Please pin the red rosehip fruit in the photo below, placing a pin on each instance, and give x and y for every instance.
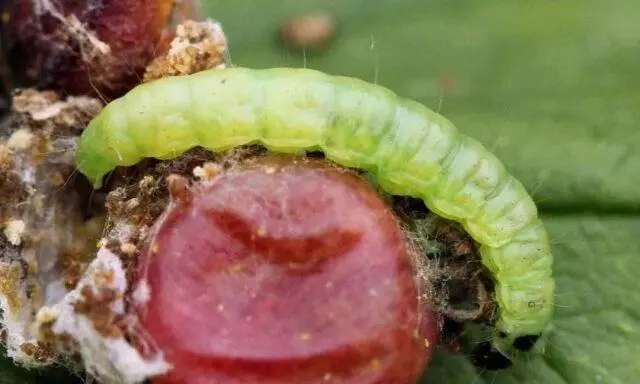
(80, 47)
(283, 271)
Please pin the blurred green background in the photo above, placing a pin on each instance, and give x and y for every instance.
(553, 88)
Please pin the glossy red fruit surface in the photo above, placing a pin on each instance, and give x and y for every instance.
(284, 272)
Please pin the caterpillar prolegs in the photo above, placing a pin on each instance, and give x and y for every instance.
(411, 150)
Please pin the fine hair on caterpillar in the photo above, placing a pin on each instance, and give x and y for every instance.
(409, 149)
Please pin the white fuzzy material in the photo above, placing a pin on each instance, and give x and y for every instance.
(20, 140)
(111, 360)
(14, 230)
(15, 321)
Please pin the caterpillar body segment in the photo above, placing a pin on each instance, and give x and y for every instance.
(412, 151)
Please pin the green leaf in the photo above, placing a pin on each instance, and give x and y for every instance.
(553, 87)
(595, 335)
(11, 374)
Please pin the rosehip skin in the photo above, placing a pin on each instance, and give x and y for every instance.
(48, 54)
(284, 271)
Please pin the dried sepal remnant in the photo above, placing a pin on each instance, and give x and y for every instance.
(197, 46)
(91, 322)
(449, 260)
(82, 46)
(283, 276)
(67, 116)
(449, 271)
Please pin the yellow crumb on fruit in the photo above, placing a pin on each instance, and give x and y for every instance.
(236, 267)
(262, 231)
(306, 337)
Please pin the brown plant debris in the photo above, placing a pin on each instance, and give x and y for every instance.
(197, 46)
(42, 215)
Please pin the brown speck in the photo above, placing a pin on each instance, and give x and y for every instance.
(309, 31)
(208, 171)
(32, 266)
(104, 277)
(9, 286)
(97, 307)
(237, 267)
(427, 344)
(463, 248)
(128, 249)
(57, 180)
(73, 267)
(178, 186)
(447, 83)
(39, 353)
(5, 158)
(132, 204)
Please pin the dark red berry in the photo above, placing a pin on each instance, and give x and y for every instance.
(78, 47)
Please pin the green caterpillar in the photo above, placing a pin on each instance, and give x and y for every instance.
(412, 151)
